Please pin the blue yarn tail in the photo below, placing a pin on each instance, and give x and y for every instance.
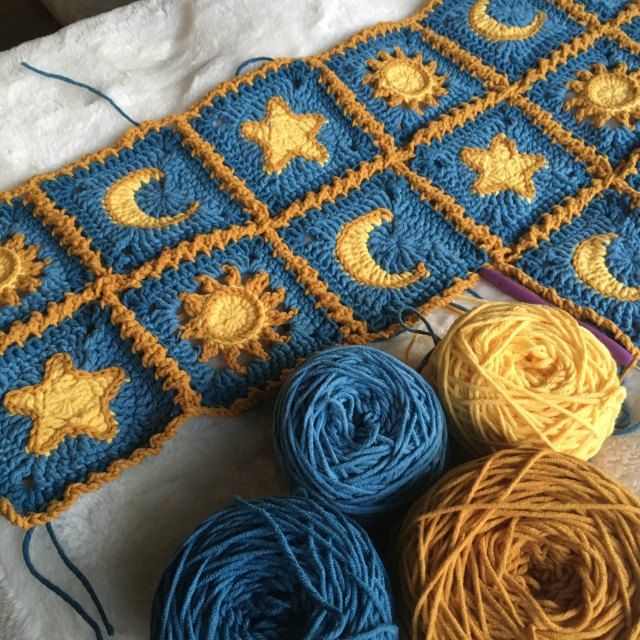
(74, 604)
(82, 85)
(624, 422)
(246, 63)
(430, 332)
(421, 332)
(455, 305)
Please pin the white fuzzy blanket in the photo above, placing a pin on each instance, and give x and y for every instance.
(156, 57)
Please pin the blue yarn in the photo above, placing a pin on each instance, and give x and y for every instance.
(429, 332)
(282, 568)
(246, 63)
(74, 604)
(624, 422)
(82, 85)
(360, 431)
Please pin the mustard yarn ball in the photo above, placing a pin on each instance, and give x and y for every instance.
(525, 544)
(523, 375)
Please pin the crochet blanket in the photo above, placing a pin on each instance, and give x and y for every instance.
(187, 269)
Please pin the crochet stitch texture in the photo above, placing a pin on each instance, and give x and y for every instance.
(190, 267)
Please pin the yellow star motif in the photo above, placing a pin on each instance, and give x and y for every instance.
(68, 402)
(503, 168)
(285, 135)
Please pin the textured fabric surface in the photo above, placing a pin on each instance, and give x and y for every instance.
(156, 58)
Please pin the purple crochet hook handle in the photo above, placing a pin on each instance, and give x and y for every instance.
(522, 294)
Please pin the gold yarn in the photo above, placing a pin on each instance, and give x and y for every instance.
(514, 374)
(525, 544)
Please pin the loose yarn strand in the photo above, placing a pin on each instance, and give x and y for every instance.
(416, 334)
(74, 604)
(82, 578)
(250, 61)
(82, 85)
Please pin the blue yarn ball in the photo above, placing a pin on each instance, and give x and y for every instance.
(283, 568)
(360, 431)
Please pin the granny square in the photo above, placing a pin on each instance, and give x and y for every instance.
(141, 199)
(382, 247)
(510, 35)
(579, 96)
(373, 69)
(74, 401)
(593, 261)
(35, 269)
(503, 169)
(233, 320)
(285, 134)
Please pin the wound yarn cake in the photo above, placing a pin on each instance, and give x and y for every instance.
(358, 430)
(521, 544)
(521, 375)
(274, 569)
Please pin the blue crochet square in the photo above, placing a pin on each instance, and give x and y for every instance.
(510, 35)
(632, 29)
(367, 68)
(34, 268)
(315, 140)
(467, 163)
(222, 362)
(375, 245)
(142, 199)
(604, 9)
(592, 259)
(576, 112)
(33, 475)
(633, 179)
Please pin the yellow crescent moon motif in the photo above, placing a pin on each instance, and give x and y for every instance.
(487, 27)
(353, 254)
(120, 202)
(589, 261)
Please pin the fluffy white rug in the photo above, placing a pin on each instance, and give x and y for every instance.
(156, 57)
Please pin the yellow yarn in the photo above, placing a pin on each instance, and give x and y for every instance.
(514, 374)
(523, 545)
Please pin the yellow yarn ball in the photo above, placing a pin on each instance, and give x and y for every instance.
(522, 375)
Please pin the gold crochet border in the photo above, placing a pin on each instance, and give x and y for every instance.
(107, 287)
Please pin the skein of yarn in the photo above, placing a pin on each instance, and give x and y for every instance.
(513, 374)
(527, 544)
(282, 568)
(357, 429)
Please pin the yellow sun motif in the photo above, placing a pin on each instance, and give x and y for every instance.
(405, 81)
(232, 318)
(285, 135)
(19, 269)
(606, 94)
(503, 168)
